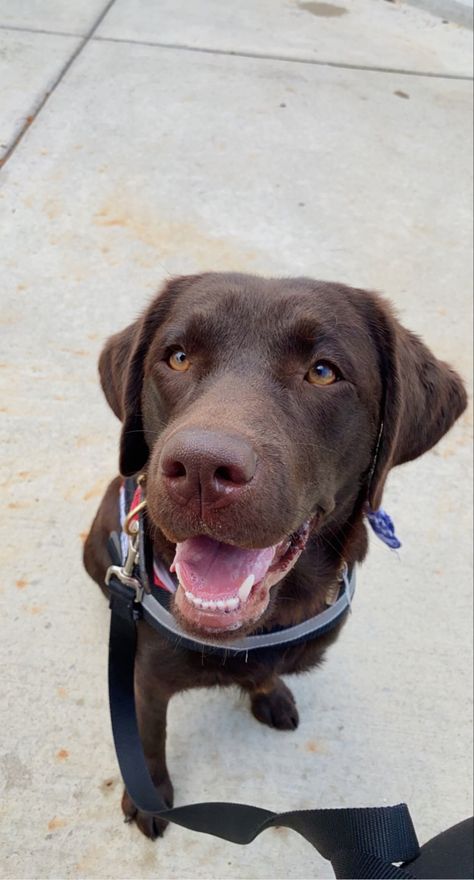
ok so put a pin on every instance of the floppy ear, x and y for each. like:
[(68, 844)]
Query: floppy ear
[(113, 366), (422, 399), (121, 369)]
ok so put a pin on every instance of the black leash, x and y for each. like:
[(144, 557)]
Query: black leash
[(359, 843)]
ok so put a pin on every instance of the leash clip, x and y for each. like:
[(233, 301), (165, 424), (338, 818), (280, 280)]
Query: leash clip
[(125, 572), (131, 528)]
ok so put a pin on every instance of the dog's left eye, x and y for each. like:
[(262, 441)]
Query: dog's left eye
[(178, 361), (322, 373)]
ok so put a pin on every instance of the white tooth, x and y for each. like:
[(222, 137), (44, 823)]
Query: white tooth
[(246, 587), (220, 604), (189, 596), (212, 605), (232, 604), (205, 605)]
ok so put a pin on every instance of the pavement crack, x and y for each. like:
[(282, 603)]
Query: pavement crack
[(31, 118), (290, 59)]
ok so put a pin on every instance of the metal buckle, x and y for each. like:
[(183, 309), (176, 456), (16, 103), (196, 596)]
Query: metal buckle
[(344, 578), (125, 572), (130, 526), (343, 572), (334, 590)]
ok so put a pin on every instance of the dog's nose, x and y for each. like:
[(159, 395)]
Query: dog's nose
[(206, 467)]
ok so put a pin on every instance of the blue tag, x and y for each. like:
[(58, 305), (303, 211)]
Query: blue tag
[(383, 527)]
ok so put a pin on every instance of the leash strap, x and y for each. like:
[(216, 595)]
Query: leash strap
[(360, 843)]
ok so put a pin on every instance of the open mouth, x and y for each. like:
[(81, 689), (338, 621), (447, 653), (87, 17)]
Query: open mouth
[(222, 587)]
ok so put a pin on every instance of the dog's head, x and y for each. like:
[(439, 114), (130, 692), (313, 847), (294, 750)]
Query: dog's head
[(264, 410)]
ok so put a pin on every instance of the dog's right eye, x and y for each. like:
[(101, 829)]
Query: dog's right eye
[(322, 373), (178, 361)]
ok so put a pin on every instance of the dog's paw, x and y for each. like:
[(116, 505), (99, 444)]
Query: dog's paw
[(150, 826), (277, 708)]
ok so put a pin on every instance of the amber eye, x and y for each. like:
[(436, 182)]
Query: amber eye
[(321, 373), (178, 360)]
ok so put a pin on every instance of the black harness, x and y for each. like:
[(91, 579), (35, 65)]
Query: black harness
[(359, 843)]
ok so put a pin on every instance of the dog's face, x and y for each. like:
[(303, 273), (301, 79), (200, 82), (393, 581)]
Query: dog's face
[(264, 411)]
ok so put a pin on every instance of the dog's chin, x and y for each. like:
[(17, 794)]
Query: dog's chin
[(227, 609)]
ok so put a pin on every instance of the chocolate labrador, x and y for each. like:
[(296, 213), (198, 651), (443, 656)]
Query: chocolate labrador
[(266, 415)]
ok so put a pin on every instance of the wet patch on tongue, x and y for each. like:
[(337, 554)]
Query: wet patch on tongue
[(213, 571)]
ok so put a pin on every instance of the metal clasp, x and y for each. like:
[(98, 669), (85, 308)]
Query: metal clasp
[(344, 578), (125, 572), (343, 572), (334, 591), (130, 526), (127, 581)]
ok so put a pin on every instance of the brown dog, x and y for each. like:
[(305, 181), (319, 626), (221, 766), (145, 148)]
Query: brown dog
[(265, 413)]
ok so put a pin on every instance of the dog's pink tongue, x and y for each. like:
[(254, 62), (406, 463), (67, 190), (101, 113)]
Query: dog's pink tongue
[(210, 569)]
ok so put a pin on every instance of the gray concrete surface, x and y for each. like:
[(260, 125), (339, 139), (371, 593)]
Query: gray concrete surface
[(30, 64), (456, 11), (145, 161), (361, 32), (55, 15)]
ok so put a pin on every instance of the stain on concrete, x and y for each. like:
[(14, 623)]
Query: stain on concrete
[(21, 583), (401, 94), (95, 490), (93, 857), (168, 238), (76, 352), (324, 10), (56, 823), (62, 755), (108, 785), (62, 693), (314, 747), (34, 610), (9, 319), (52, 209), (85, 440)]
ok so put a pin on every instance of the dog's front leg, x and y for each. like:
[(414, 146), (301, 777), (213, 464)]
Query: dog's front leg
[(272, 703), (151, 698)]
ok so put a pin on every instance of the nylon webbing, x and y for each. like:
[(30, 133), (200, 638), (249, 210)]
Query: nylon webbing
[(360, 843)]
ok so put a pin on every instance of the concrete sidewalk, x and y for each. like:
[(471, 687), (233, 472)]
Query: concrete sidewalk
[(141, 139)]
